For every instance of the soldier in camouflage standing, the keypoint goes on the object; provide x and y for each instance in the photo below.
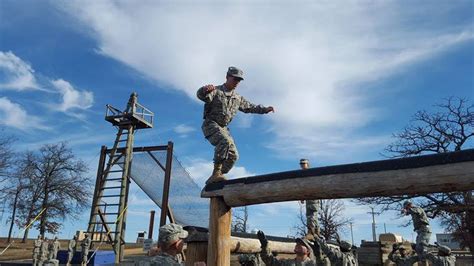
(221, 105)
(71, 249)
(421, 226)
(85, 245)
(44, 251)
(444, 257)
(312, 208)
(53, 248)
(37, 250)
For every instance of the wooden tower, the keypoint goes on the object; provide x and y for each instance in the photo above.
(107, 221)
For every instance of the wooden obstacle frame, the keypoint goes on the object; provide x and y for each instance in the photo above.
(446, 172)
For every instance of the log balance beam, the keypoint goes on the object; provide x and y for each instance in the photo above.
(445, 172)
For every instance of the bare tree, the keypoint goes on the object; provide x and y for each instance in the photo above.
(7, 156)
(449, 128)
(330, 217)
(57, 185)
(240, 218)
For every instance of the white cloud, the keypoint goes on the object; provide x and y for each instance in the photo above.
(183, 129)
(201, 169)
(306, 59)
(17, 73)
(71, 97)
(13, 115)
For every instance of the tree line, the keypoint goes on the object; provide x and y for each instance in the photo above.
(49, 184)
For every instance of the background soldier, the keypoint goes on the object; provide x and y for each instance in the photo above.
(421, 226)
(343, 257)
(44, 251)
(37, 250)
(303, 250)
(402, 259)
(444, 257)
(171, 241)
(53, 248)
(312, 208)
(71, 249)
(221, 105)
(85, 245)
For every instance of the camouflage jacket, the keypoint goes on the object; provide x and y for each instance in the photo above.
(38, 243)
(440, 260)
(420, 220)
(402, 261)
(337, 257)
(165, 259)
(270, 260)
(71, 245)
(222, 104)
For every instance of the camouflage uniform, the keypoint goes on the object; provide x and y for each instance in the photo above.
(220, 107)
(337, 257)
(43, 251)
(85, 245)
(53, 248)
(37, 251)
(270, 260)
(251, 260)
(444, 257)
(421, 226)
(165, 259)
(71, 249)
(402, 261)
(439, 260)
(312, 208)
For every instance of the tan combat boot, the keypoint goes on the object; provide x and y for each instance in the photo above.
(216, 174)
(310, 235)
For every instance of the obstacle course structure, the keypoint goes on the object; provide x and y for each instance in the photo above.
(445, 172)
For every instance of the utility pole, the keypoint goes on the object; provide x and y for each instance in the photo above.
(374, 234)
(385, 228)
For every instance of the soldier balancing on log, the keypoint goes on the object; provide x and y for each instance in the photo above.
(312, 208)
(221, 105)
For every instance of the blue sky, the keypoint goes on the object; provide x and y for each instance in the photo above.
(342, 76)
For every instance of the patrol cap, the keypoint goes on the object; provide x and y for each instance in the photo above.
(344, 245)
(170, 233)
(304, 242)
(303, 161)
(406, 203)
(235, 72)
(444, 249)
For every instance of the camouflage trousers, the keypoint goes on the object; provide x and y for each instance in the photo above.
(422, 241)
(225, 151)
(312, 208)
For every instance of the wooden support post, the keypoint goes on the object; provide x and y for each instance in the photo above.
(220, 218)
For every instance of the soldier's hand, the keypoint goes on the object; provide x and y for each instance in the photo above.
(269, 109)
(208, 88)
(262, 238)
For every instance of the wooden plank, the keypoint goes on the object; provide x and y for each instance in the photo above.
(412, 176)
(218, 249)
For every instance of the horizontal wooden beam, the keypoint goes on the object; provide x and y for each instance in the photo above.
(444, 172)
(142, 149)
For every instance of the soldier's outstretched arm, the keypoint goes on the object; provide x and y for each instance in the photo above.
(248, 107)
(206, 93)
(331, 253)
